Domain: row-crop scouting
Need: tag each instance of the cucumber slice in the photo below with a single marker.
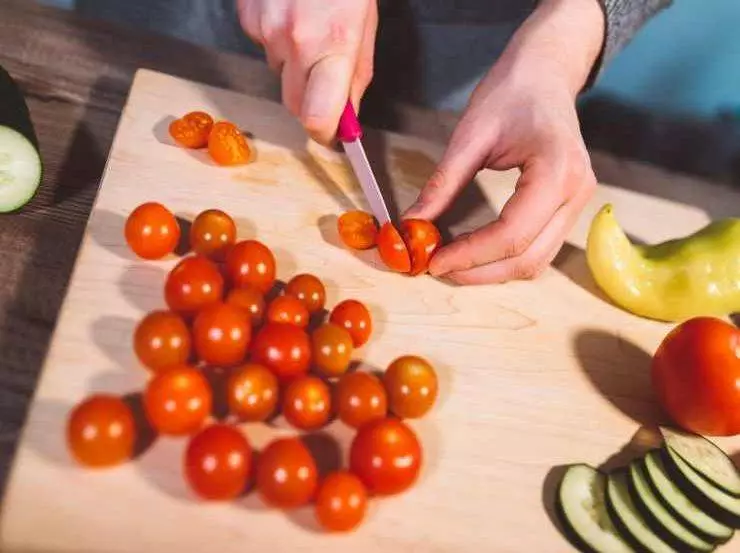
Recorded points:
(20, 170)
(628, 519)
(680, 504)
(581, 508)
(660, 519)
(705, 458)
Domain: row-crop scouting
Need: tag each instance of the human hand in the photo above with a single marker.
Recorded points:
(323, 51)
(523, 115)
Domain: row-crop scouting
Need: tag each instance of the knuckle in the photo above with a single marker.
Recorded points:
(526, 270)
(516, 246)
(299, 36)
(341, 35)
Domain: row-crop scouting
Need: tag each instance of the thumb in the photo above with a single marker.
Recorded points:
(326, 94)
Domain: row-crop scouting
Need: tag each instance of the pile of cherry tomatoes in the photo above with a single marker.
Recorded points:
(282, 353)
(225, 142)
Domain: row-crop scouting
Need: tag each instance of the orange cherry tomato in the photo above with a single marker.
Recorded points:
(412, 387)
(289, 310)
(358, 230)
(386, 455)
(212, 233)
(393, 250)
(341, 502)
(285, 349)
(101, 431)
(307, 403)
(695, 374)
(355, 318)
(192, 130)
(161, 340)
(152, 231)
(309, 289)
(287, 476)
(227, 145)
(251, 263)
(221, 334)
(218, 462)
(332, 349)
(251, 300)
(194, 283)
(423, 240)
(360, 398)
(177, 401)
(252, 393)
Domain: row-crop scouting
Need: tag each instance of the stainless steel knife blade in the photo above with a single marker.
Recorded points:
(364, 173)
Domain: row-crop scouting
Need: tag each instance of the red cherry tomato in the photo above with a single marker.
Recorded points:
(341, 502)
(250, 299)
(212, 233)
(358, 230)
(101, 431)
(252, 393)
(218, 461)
(192, 130)
(161, 340)
(194, 283)
(393, 250)
(332, 349)
(423, 240)
(386, 455)
(309, 289)
(360, 398)
(412, 387)
(152, 231)
(288, 310)
(287, 476)
(221, 334)
(695, 373)
(251, 263)
(355, 318)
(284, 349)
(177, 401)
(307, 403)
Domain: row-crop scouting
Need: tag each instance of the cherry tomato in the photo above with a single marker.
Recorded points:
(393, 250)
(192, 130)
(412, 386)
(309, 289)
(227, 145)
(358, 230)
(386, 455)
(194, 283)
(221, 334)
(177, 401)
(341, 502)
(251, 263)
(212, 233)
(332, 349)
(218, 462)
(307, 403)
(250, 299)
(355, 318)
(161, 340)
(252, 393)
(695, 373)
(287, 476)
(289, 310)
(360, 398)
(423, 240)
(152, 231)
(284, 349)
(101, 431)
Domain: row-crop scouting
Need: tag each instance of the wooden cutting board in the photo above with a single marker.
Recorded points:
(533, 374)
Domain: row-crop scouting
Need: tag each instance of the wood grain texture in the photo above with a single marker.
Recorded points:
(534, 375)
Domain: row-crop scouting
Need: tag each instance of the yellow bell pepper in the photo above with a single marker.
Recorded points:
(696, 275)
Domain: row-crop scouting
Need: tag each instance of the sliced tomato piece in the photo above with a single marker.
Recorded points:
(422, 239)
(358, 230)
(393, 250)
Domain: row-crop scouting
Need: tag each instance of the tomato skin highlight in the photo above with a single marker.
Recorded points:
(332, 349)
(309, 290)
(287, 476)
(252, 393)
(423, 240)
(101, 431)
(359, 398)
(178, 401)
(288, 310)
(152, 231)
(161, 340)
(341, 502)
(358, 230)
(192, 130)
(227, 145)
(355, 318)
(393, 250)
(221, 334)
(307, 403)
(212, 233)
(251, 300)
(194, 283)
(285, 349)
(251, 263)
(412, 387)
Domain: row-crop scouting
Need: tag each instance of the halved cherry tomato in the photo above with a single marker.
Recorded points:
(341, 502)
(287, 476)
(161, 340)
(309, 289)
(194, 283)
(251, 300)
(252, 393)
(221, 334)
(422, 239)
(192, 130)
(332, 349)
(227, 145)
(393, 250)
(358, 230)
(285, 349)
(212, 233)
(289, 310)
(251, 263)
(307, 403)
(152, 231)
(177, 401)
(355, 318)
(412, 387)
(218, 462)
(101, 431)
(359, 398)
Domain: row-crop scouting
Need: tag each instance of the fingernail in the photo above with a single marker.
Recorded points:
(413, 210)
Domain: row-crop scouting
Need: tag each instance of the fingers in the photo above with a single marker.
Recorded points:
(249, 18)
(293, 79)
(327, 91)
(366, 59)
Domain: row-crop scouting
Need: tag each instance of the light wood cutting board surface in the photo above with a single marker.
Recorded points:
(533, 374)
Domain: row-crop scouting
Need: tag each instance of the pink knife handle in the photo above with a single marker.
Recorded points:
(349, 126)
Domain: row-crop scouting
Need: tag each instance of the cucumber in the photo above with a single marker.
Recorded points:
(660, 519)
(705, 458)
(628, 519)
(580, 505)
